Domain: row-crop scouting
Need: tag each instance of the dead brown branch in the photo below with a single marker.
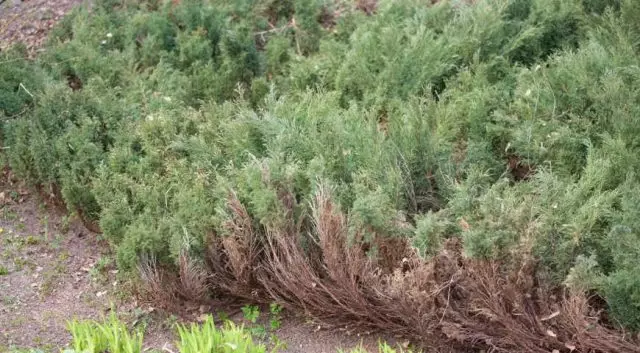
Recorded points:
(446, 301)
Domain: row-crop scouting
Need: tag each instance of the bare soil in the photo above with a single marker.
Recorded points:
(29, 21)
(300, 337)
(53, 270)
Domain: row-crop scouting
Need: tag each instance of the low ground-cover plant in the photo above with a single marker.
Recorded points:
(207, 338)
(257, 325)
(113, 336)
(89, 336)
(110, 336)
(207, 131)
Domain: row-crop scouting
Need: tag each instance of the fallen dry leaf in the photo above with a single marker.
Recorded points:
(464, 224)
(550, 316)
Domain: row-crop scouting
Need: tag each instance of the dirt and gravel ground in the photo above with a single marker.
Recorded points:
(52, 269)
(29, 21)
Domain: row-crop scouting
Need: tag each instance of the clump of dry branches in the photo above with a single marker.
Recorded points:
(193, 280)
(447, 301)
(233, 259)
(158, 285)
(169, 289)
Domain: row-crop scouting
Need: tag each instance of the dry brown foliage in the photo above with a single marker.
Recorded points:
(367, 6)
(448, 301)
(193, 280)
(233, 259)
(172, 290)
(158, 285)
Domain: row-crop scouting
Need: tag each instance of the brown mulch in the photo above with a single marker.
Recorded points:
(29, 21)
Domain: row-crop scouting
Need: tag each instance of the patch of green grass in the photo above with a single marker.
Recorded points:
(3, 270)
(51, 276)
(275, 320)
(17, 321)
(65, 223)
(44, 222)
(223, 316)
(170, 322)
(32, 240)
(9, 215)
(276, 343)
(49, 315)
(89, 299)
(100, 271)
(111, 335)
(9, 300)
(56, 242)
(49, 348)
(20, 263)
(140, 317)
(20, 241)
(207, 338)
(49, 283)
(62, 257)
(251, 313)
(37, 341)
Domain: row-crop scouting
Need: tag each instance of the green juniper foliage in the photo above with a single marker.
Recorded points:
(511, 124)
